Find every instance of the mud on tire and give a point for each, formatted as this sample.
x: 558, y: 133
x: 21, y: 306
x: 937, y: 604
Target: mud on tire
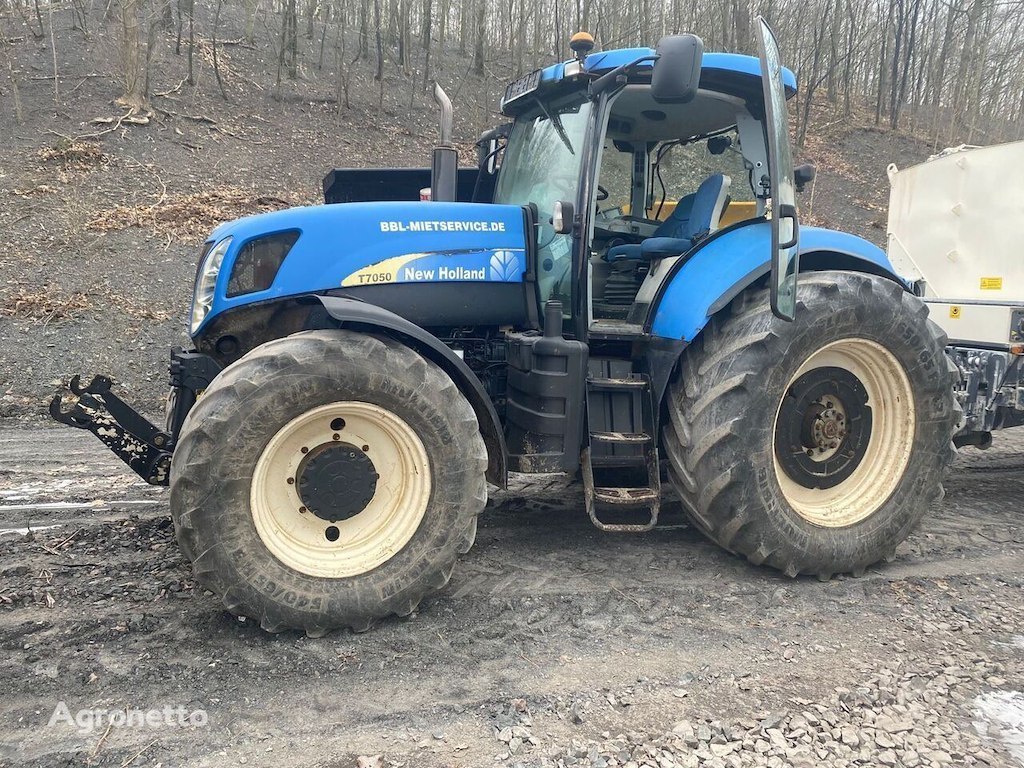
x: 725, y: 420
x: 238, y: 417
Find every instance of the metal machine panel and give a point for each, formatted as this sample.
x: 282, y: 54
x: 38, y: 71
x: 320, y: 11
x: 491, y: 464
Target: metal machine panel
x: 958, y: 222
x: 972, y: 321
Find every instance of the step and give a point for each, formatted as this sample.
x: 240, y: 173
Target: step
x: 626, y: 496
x: 620, y: 438
x: 615, y: 329
x: 596, y: 383
x: 615, y: 461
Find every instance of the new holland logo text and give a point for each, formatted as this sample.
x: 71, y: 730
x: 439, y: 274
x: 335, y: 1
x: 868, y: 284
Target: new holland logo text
x: 442, y: 226
x: 413, y: 275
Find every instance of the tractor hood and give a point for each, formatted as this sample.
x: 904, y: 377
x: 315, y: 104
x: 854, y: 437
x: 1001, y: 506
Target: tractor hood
x: 348, y: 246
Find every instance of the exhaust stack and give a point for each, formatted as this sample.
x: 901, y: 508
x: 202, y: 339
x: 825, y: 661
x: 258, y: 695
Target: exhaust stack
x: 444, y: 168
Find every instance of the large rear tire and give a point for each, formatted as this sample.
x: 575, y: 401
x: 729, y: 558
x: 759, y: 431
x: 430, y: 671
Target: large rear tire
x: 326, y: 480
x: 814, y: 446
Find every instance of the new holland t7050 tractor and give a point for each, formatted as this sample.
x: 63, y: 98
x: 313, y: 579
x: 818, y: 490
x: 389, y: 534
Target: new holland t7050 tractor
x: 620, y: 291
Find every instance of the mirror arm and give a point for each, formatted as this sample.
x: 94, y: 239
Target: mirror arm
x: 608, y: 79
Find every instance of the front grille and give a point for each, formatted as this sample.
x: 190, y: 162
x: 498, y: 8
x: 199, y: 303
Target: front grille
x: 258, y: 262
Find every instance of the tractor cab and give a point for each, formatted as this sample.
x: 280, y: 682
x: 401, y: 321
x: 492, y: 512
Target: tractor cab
x: 636, y: 158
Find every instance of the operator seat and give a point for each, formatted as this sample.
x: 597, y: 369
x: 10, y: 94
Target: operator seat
x: 696, y: 215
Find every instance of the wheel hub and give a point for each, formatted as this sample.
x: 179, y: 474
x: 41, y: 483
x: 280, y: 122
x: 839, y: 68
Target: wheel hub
x: 824, y: 427
x: 336, y: 481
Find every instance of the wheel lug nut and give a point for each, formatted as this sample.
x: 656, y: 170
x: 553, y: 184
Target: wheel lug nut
x: 336, y: 436
x: 291, y: 481
x: 305, y: 449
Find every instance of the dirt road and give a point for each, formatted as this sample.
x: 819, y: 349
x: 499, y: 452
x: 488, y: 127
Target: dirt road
x: 551, y: 640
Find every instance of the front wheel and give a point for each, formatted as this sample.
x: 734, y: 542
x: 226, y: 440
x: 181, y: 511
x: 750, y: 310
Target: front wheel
x: 814, y: 446
x: 327, y: 479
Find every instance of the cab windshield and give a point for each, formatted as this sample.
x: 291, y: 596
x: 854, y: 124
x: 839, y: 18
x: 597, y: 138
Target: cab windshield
x: 542, y: 165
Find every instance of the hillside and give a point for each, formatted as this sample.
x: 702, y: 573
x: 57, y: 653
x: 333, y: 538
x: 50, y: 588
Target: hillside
x: 104, y: 211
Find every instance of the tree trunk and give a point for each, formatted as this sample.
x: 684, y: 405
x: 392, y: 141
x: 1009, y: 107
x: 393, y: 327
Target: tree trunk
x: 478, y: 48
x: 134, y: 97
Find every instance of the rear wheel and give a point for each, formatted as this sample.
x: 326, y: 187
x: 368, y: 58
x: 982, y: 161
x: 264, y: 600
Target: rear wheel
x: 327, y: 479
x: 814, y: 446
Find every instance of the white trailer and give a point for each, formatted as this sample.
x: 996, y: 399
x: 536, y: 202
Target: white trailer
x: 956, y: 228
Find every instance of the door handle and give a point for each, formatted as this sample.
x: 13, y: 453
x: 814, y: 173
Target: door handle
x: 789, y: 212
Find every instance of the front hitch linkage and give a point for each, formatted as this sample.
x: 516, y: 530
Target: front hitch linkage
x: 139, y: 444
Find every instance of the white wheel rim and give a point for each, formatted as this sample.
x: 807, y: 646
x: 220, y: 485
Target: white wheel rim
x: 300, y: 539
x: 888, y: 450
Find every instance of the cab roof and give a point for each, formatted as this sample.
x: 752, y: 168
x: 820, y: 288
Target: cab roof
x: 735, y: 74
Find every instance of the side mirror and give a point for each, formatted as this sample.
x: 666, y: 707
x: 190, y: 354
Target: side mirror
x: 803, y: 174
x: 487, y: 156
x: 676, y: 73
x: 563, y: 218
x: 489, y: 146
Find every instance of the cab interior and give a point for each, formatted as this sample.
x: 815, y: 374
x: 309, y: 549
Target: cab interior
x: 670, y: 176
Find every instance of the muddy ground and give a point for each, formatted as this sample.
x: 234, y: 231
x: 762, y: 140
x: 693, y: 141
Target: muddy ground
x: 550, y: 627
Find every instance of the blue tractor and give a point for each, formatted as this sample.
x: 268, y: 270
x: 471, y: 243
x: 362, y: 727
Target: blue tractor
x: 612, y: 293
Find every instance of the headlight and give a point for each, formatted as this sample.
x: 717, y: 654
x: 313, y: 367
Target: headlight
x: 206, y: 283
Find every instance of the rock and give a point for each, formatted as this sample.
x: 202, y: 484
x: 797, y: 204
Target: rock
x: 887, y: 757
x: 892, y: 725
x: 849, y: 736
x: 776, y: 737
x: 505, y: 735
x: 685, y: 731
x: 721, y: 750
x: 370, y: 761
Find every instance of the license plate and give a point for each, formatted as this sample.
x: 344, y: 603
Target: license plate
x: 525, y: 85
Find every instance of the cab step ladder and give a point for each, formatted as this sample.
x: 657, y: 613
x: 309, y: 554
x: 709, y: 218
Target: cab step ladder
x: 642, y: 501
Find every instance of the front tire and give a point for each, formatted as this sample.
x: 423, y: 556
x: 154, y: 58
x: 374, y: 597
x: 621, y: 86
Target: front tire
x: 326, y: 480
x: 814, y: 446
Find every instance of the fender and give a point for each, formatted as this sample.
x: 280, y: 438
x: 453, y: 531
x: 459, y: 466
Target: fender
x: 360, y: 315
x: 704, y: 281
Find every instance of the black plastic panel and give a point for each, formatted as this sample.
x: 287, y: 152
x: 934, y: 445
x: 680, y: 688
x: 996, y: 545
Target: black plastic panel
x: 544, y: 409
x: 362, y: 185
x: 453, y: 303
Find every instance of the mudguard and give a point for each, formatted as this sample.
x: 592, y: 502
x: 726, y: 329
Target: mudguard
x: 729, y: 262
x: 359, y: 315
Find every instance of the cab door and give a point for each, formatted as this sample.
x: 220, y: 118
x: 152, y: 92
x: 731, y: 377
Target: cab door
x: 785, y: 227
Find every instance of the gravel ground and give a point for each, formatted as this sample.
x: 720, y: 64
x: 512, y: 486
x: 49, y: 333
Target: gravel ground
x: 554, y: 644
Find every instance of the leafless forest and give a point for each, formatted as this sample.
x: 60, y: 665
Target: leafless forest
x: 950, y: 70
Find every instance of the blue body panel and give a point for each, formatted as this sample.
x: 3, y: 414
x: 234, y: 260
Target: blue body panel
x: 726, y: 261
x: 605, y: 61
x: 353, y: 244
